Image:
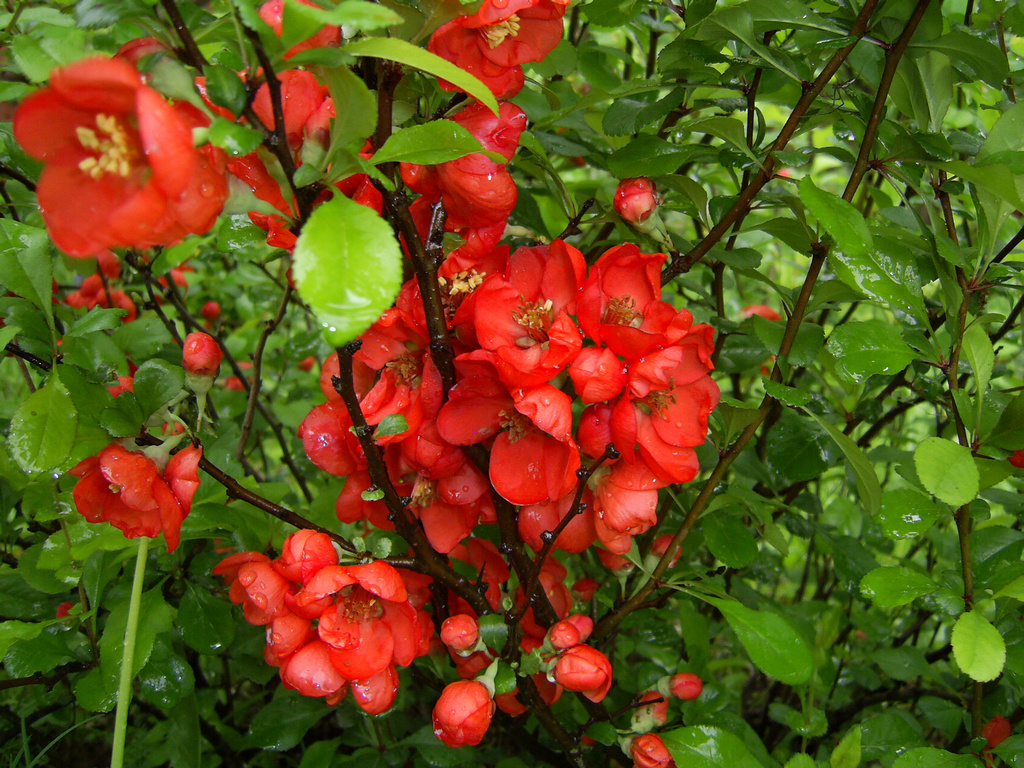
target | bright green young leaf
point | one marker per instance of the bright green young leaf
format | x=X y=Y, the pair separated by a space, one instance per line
x=706 y=746
x=393 y=49
x=808 y=342
x=234 y=138
x=1014 y=589
x=801 y=761
x=773 y=645
x=947 y=471
x=428 y=144
x=847 y=752
x=863 y=349
x=493 y=630
x=892 y=586
x=979 y=351
x=868 y=488
x=353 y=125
x=347 y=267
x=393 y=424
x=838 y=217
x=978 y=648
x=43 y=428
x=787 y=395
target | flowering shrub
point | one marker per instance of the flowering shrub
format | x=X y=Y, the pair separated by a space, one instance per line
x=487 y=384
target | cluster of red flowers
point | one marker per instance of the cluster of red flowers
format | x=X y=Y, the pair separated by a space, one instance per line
x=330 y=627
x=519 y=322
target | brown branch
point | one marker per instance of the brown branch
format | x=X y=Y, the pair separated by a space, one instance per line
x=192 y=53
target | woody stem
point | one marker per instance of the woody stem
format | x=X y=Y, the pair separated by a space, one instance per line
x=124 y=689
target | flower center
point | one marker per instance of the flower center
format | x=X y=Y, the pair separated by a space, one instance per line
x=535 y=319
x=113 y=145
x=656 y=402
x=406 y=368
x=424 y=492
x=496 y=33
x=622 y=311
x=358 y=604
x=458 y=287
x=515 y=423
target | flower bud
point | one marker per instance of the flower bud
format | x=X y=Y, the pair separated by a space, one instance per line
x=761 y=310
x=584 y=589
x=463 y=713
x=210 y=311
x=636 y=199
x=564 y=635
x=201 y=355
x=649 y=751
x=685 y=685
x=460 y=633
x=652 y=714
x=1017 y=459
x=586 y=670
x=996 y=731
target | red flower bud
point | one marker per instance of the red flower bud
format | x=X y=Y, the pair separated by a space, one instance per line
x=649 y=751
x=1017 y=459
x=460 y=632
x=210 y=311
x=64 y=609
x=586 y=670
x=636 y=199
x=761 y=310
x=654 y=713
x=564 y=635
x=463 y=713
x=686 y=686
x=996 y=731
x=201 y=355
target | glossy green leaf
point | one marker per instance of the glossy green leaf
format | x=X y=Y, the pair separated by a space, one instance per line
x=839 y=218
x=43 y=428
x=207 y=622
x=234 y=138
x=26 y=264
x=394 y=49
x=863 y=349
x=773 y=645
x=891 y=586
x=352 y=126
x=979 y=351
x=13 y=631
x=808 y=342
x=301 y=21
x=978 y=648
x=394 y=424
x=786 y=395
x=705 y=746
x=886 y=273
x=225 y=88
x=729 y=539
x=282 y=723
x=428 y=144
x=1007 y=432
x=907 y=514
x=347 y=267
x=868 y=488
x=930 y=757
x=648 y=155
x=156 y=383
x=155 y=618
x=947 y=470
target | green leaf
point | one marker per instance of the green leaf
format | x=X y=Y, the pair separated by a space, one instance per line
x=428 y=144
x=978 y=648
x=207 y=621
x=155 y=618
x=979 y=351
x=1014 y=589
x=301 y=22
x=728 y=129
x=603 y=733
x=729 y=539
x=12 y=631
x=930 y=757
x=773 y=645
x=347 y=267
x=838 y=217
x=353 y=125
x=26 y=263
x=801 y=761
x=868 y=489
x=394 y=49
x=284 y=721
x=649 y=155
x=947 y=471
x=705 y=746
x=786 y=395
x=887 y=273
x=394 y=424
x=1007 y=432
x=43 y=428
x=891 y=586
x=96 y=319
x=907 y=514
x=156 y=383
x=225 y=88
x=863 y=349
x=806 y=345
x=32 y=59
x=493 y=630
x=234 y=138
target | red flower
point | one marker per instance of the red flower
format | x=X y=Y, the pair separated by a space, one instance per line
x=1017 y=459
x=372 y=623
x=463 y=713
x=996 y=731
x=310 y=672
x=586 y=670
x=649 y=751
x=92 y=293
x=636 y=199
x=121 y=168
x=125 y=488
